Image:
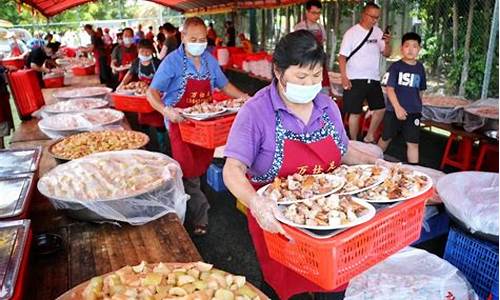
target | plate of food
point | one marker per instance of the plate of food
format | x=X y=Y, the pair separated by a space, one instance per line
x=360 y=177
x=297 y=188
x=81 y=121
x=326 y=213
x=401 y=184
x=83 y=92
x=83 y=144
x=196 y=280
x=106 y=176
x=203 y=111
x=75 y=105
x=232 y=105
x=137 y=88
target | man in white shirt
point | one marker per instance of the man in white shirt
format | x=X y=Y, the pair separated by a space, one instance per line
x=359 y=69
x=311 y=24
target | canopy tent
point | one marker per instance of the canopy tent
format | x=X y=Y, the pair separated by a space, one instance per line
x=50 y=8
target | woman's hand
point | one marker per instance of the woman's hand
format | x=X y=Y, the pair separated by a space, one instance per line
x=173 y=114
x=264 y=211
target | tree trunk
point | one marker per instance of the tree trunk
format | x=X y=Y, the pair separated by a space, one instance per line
x=336 y=25
x=487 y=11
x=455 y=30
x=465 y=68
x=278 y=33
x=263 y=30
x=287 y=24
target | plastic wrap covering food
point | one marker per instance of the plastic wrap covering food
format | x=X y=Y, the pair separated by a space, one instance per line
x=479 y=113
x=370 y=149
x=411 y=274
x=132 y=186
x=472 y=198
x=61 y=125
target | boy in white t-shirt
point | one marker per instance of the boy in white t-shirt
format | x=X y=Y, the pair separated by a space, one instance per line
x=359 y=62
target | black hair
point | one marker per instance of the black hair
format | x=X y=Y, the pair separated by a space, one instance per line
x=312 y=3
x=87 y=27
x=298 y=48
x=129 y=29
x=168 y=27
x=370 y=4
x=54 y=46
x=144 y=43
x=150 y=27
x=119 y=35
x=411 y=36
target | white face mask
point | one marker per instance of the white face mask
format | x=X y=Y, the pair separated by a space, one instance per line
x=301 y=94
x=196 y=49
x=145 y=57
x=127 y=41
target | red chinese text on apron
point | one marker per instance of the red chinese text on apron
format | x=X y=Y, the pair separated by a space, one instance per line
x=313 y=153
x=194 y=160
x=153 y=119
x=128 y=55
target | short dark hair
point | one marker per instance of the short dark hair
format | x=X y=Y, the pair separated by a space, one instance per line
x=129 y=29
x=411 y=36
x=54 y=46
x=370 y=4
x=119 y=35
x=88 y=27
x=150 y=27
x=169 y=27
x=144 y=43
x=312 y=3
x=298 y=48
x=193 y=21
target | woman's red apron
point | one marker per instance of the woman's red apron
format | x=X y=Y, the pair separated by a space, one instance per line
x=128 y=56
x=153 y=119
x=15 y=50
x=194 y=160
x=305 y=154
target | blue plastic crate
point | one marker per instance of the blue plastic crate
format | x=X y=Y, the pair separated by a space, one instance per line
x=214 y=178
x=477 y=259
x=439 y=225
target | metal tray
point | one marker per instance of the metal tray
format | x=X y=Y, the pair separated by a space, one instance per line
x=13 y=237
x=16 y=191
x=19 y=161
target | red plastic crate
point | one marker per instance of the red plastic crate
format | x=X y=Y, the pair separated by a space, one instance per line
x=237 y=60
x=207 y=134
x=23 y=270
x=131 y=103
x=14 y=62
x=333 y=262
x=83 y=71
x=26 y=91
x=153 y=119
x=54 y=82
x=220 y=96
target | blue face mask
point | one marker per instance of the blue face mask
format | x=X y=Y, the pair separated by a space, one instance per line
x=144 y=58
x=301 y=94
x=196 y=49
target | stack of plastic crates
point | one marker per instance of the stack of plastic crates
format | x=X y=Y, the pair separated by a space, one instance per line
x=476 y=258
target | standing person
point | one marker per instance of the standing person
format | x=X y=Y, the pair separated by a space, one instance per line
x=98 y=49
x=42 y=60
x=191 y=82
x=311 y=24
x=405 y=81
x=160 y=39
x=211 y=34
x=124 y=54
x=359 y=62
x=230 y=34
x=17 y=47
x=36 y=42
x=246 y=44
x=298 y=129
x=150 y=35
x=171 y=41
x=108 y=40
x=139 y=35
x=48 y=38
x=6 y=121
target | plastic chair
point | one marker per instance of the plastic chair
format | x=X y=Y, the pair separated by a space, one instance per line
x=487 y=150
x=463 y=158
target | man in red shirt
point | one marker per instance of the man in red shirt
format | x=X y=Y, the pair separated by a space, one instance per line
x=150 y=35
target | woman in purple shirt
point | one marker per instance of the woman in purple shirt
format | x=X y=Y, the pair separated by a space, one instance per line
x=288 y=127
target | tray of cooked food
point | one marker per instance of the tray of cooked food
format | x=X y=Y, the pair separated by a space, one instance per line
x=195 y=280
x=360 y=177
x=232 y=105
x=86 y=143
x=135 y=88
x=75 y=105
x=203 y=111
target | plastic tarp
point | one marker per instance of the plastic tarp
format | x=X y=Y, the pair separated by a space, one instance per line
x=411 y=274
x=472 y=197
x=133 y=186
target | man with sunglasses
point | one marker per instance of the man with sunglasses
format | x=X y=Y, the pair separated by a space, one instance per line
x=359 y=61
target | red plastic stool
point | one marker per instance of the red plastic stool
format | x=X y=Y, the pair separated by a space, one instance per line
x=490 y=152
x=463 y=158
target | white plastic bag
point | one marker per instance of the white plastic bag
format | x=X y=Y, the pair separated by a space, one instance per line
x=133 y=186
x=370 y=149
x=411 y=274
x=472 y=197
